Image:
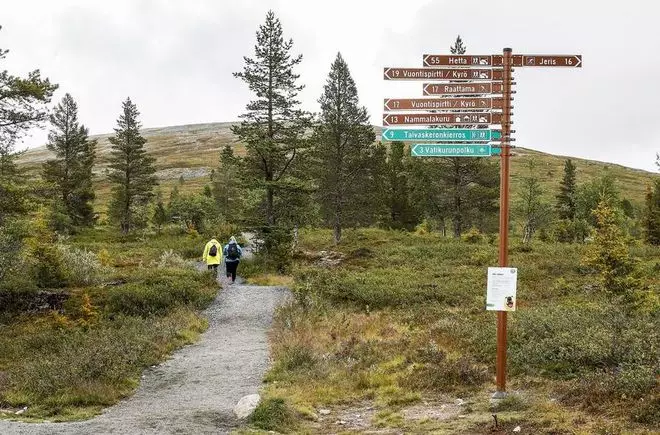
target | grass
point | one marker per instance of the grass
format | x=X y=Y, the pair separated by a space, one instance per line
x=70 y=361
x=270 y=279
x=401 y=322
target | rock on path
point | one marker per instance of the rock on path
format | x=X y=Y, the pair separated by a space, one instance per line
x=195 y=391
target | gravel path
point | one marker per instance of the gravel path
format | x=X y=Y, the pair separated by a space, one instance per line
x=195 y=391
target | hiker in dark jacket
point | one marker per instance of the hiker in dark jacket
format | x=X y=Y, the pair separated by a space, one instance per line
x=232 y=253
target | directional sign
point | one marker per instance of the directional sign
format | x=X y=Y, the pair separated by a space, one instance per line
x=458 y=60
x=442 y=119
x=450 y=150
x=571 y=61
x=442 y=74
x=565 y=60
x=443 y=103
x=438 y=134
x=462 y=88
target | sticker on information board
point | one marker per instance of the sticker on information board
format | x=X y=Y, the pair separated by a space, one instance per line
x=501 y=289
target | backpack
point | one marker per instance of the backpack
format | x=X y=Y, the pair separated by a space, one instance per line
x=232 y=251
x=213 y=251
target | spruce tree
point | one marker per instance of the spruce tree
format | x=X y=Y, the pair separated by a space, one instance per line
x=273 y=126
x=458 y=47
x=132 y=170
x=342 y=148
x=651 y=219
x=567 y=197
x=462 y=190
x=529 y=207
x=159 y=217
x=71 y=170
x=402 y=214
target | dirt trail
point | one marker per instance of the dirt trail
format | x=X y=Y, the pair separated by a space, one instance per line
x=195 y=391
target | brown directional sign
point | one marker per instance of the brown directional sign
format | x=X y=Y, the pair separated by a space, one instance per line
x=565 y=60
x=442 y=74
x=570 y=61
x=458 y=118
x=458 y=60
x=443 y=103
x=462 y=88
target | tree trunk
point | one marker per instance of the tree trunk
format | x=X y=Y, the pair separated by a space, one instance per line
x=527 y=234
x=295 y=239
x=337 y=226
x=270 y=213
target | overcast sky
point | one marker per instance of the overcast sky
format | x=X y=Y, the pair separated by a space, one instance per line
x=175 y=59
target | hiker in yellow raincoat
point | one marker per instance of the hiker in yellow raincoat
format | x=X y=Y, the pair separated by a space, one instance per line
x=213 y=254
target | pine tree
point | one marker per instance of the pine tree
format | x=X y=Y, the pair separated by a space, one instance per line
x=273 y=126
x=342 y=149
x=227 y=186
x=71 y=170
x=132 y=170
x=23 y=106
x=567 y=197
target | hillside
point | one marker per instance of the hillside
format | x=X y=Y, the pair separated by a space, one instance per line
x=192 y=151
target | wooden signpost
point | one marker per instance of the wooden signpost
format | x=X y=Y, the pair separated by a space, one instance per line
x=477 y=93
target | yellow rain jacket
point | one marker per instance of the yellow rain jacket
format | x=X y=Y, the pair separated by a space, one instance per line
x=210 y=260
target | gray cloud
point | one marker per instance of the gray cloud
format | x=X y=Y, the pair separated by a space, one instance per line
x=175 y=59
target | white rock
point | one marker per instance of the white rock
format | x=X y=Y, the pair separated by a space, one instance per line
x=324 y=411
x=459 y=402
x=517 y=429
x=246 y=405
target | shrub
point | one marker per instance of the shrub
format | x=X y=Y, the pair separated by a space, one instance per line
x=158 y=295
x=169 y=259
x=447 y=373
x=512 y=402
x=632 y=384
x=473 y=235
x=81 y=267
x=77 y=367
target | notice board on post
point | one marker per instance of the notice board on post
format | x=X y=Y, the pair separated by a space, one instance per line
x=501 y=289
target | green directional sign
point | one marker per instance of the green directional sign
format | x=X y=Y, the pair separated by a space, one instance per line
x=450 y=150
x=436 y=134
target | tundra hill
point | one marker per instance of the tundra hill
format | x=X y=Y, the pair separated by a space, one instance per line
x=192 y=151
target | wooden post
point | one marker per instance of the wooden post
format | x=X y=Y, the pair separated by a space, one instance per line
x=504 y=217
